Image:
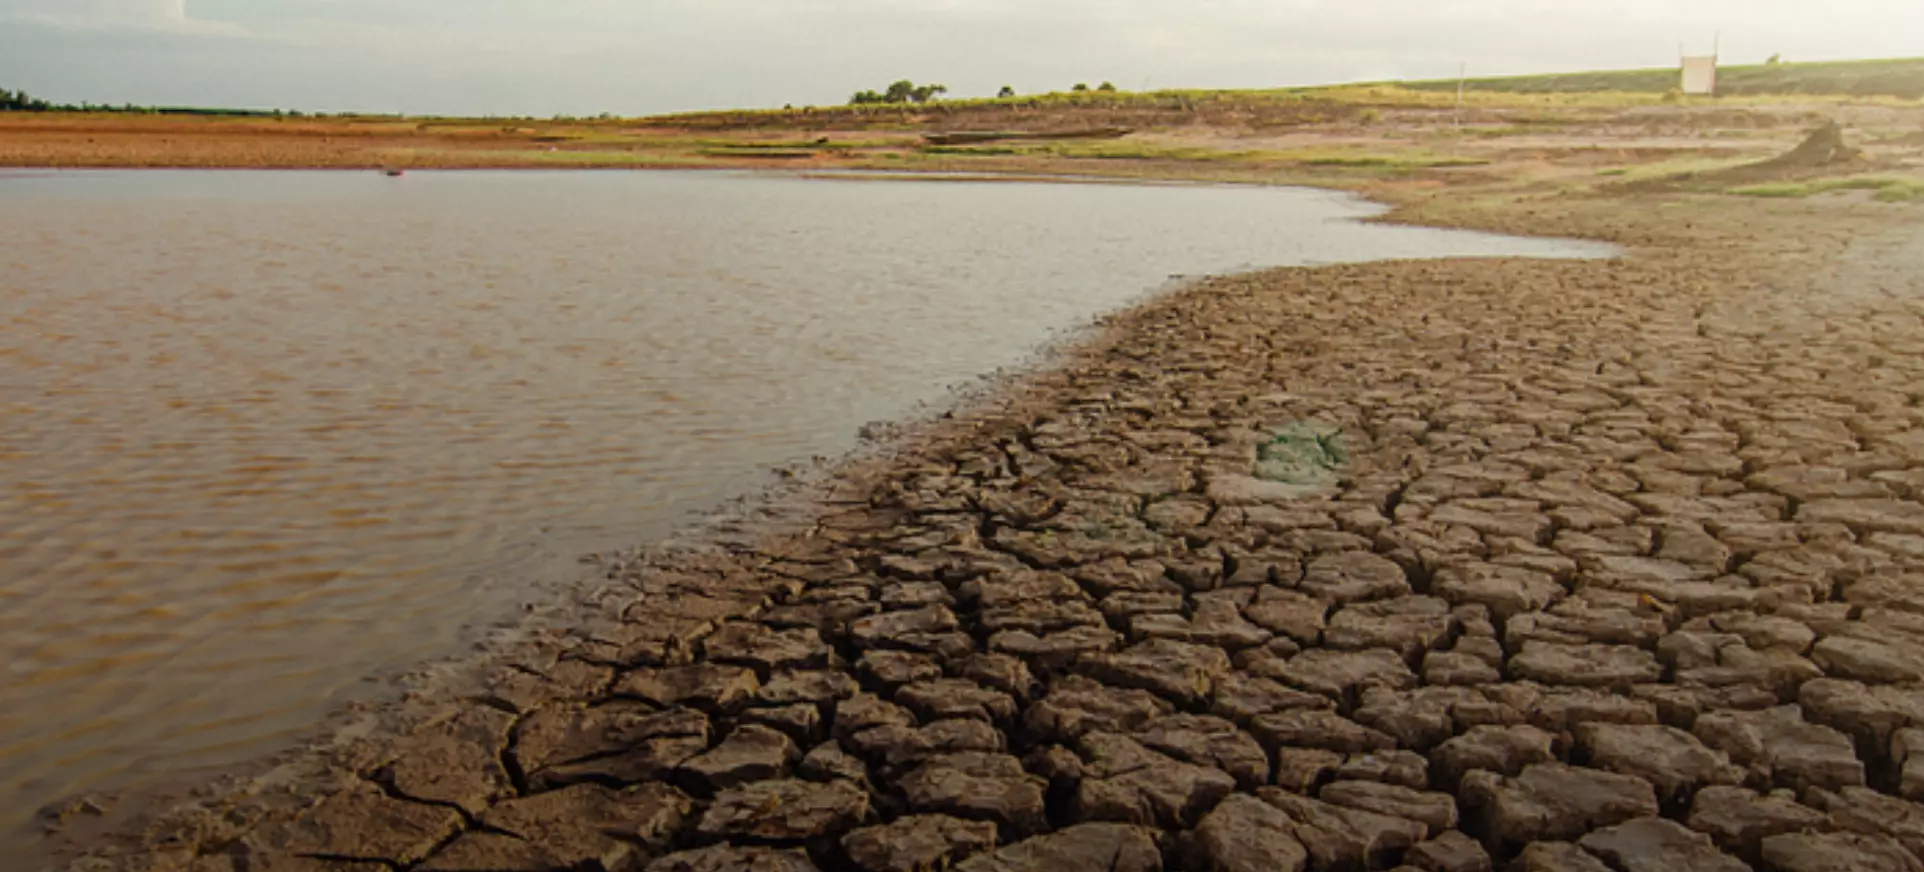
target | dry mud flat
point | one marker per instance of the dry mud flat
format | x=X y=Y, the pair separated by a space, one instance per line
x=1625 y=572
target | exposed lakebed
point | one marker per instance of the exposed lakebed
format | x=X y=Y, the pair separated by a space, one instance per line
x=263 y=435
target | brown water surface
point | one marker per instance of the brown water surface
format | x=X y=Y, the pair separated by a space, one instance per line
x=263 y=435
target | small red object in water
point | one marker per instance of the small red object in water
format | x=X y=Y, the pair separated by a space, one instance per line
x=396 y=172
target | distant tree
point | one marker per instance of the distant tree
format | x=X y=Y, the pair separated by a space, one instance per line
x=1080 y=87
x=903 y=91
x=21 y=101
x=1109 y=87
x=1774 y=60
x=1005 y=93
x=899 y=92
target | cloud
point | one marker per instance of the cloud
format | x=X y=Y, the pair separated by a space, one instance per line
x=638 y=56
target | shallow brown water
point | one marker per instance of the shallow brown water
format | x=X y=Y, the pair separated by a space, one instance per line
x=264 y=435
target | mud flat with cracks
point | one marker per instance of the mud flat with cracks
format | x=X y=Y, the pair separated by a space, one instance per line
x=1620 y=570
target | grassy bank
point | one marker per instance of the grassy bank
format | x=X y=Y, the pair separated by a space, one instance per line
x=1525 y=136
x=1897 y=78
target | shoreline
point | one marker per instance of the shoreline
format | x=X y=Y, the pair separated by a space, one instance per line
x=997 y=493
x=796 y=495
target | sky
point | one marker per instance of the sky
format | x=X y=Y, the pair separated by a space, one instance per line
x=632 y=57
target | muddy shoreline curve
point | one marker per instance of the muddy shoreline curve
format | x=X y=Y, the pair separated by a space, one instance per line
x=1617 y=571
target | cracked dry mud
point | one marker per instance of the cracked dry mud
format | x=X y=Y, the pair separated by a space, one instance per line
x=1626 y=572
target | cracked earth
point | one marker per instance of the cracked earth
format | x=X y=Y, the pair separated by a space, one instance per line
x=1625 y=572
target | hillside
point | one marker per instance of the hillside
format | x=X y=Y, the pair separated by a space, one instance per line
x=1901 y=78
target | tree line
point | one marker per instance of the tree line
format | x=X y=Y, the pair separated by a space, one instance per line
x=906 y=91
x=21 y=101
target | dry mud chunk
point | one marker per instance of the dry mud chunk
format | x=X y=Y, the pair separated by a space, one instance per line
x=801 y=722
x=1041 y=616
x=585 y=826
x=1245 y=834
x=1738 y=820
x=1176 y=670
x=1240 y=697
x=1075 y=705
x=1406 y=768
x=1081 y=848
x=897 y=745
x=1299 y=616
x=1408 y=626
x=1869 y=714
x=1784 y=748
x=620 y=743
x=1419 y=718
x=1338 y=674
x=1450 y=852
x=710 y=686
x=1868 y=660
x=1451 y=669
x=1128 y=783
x=454 y=759
x=784 y=811
x=1505 y=750
x=1557 y=857
x=790 y=688
x=1866 y=516
x=255 y=862
x=750 y=753
x=1119 y=608
x=524 y=689
x=1317 y=728
x=1000 y=672
x=1300 y=770
x=1527 y=525
x=1055 y=650
x=1560 y=710
x=1585 y=666
x=1658 y=845
x=365 y=824
x=1209 y=741
x=1434 y=810
x=1344 y=838
x=1353 y=576
x=956 y=698
x=1577 y=622
x=1673 y=761
x=917 y=843
x=828 y=762
x=888 y=629
x=913 y=594
x=1554 y=802
x=735 y=858
x=896 y=668
x=978 y=785
x=765 y=649
x=1835 y=852
x=1907 y=752
x=1862 y=810
x=864 y=711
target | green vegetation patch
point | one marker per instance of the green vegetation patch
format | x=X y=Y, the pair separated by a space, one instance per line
x=1303 y=453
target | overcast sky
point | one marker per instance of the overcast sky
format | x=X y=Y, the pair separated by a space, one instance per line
x=546 y=57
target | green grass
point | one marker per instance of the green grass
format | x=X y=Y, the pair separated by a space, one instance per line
x=1899 y=78
x=1676 y=166
x=1889 y=189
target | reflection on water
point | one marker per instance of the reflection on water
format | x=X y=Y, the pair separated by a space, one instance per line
x=265 y=434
